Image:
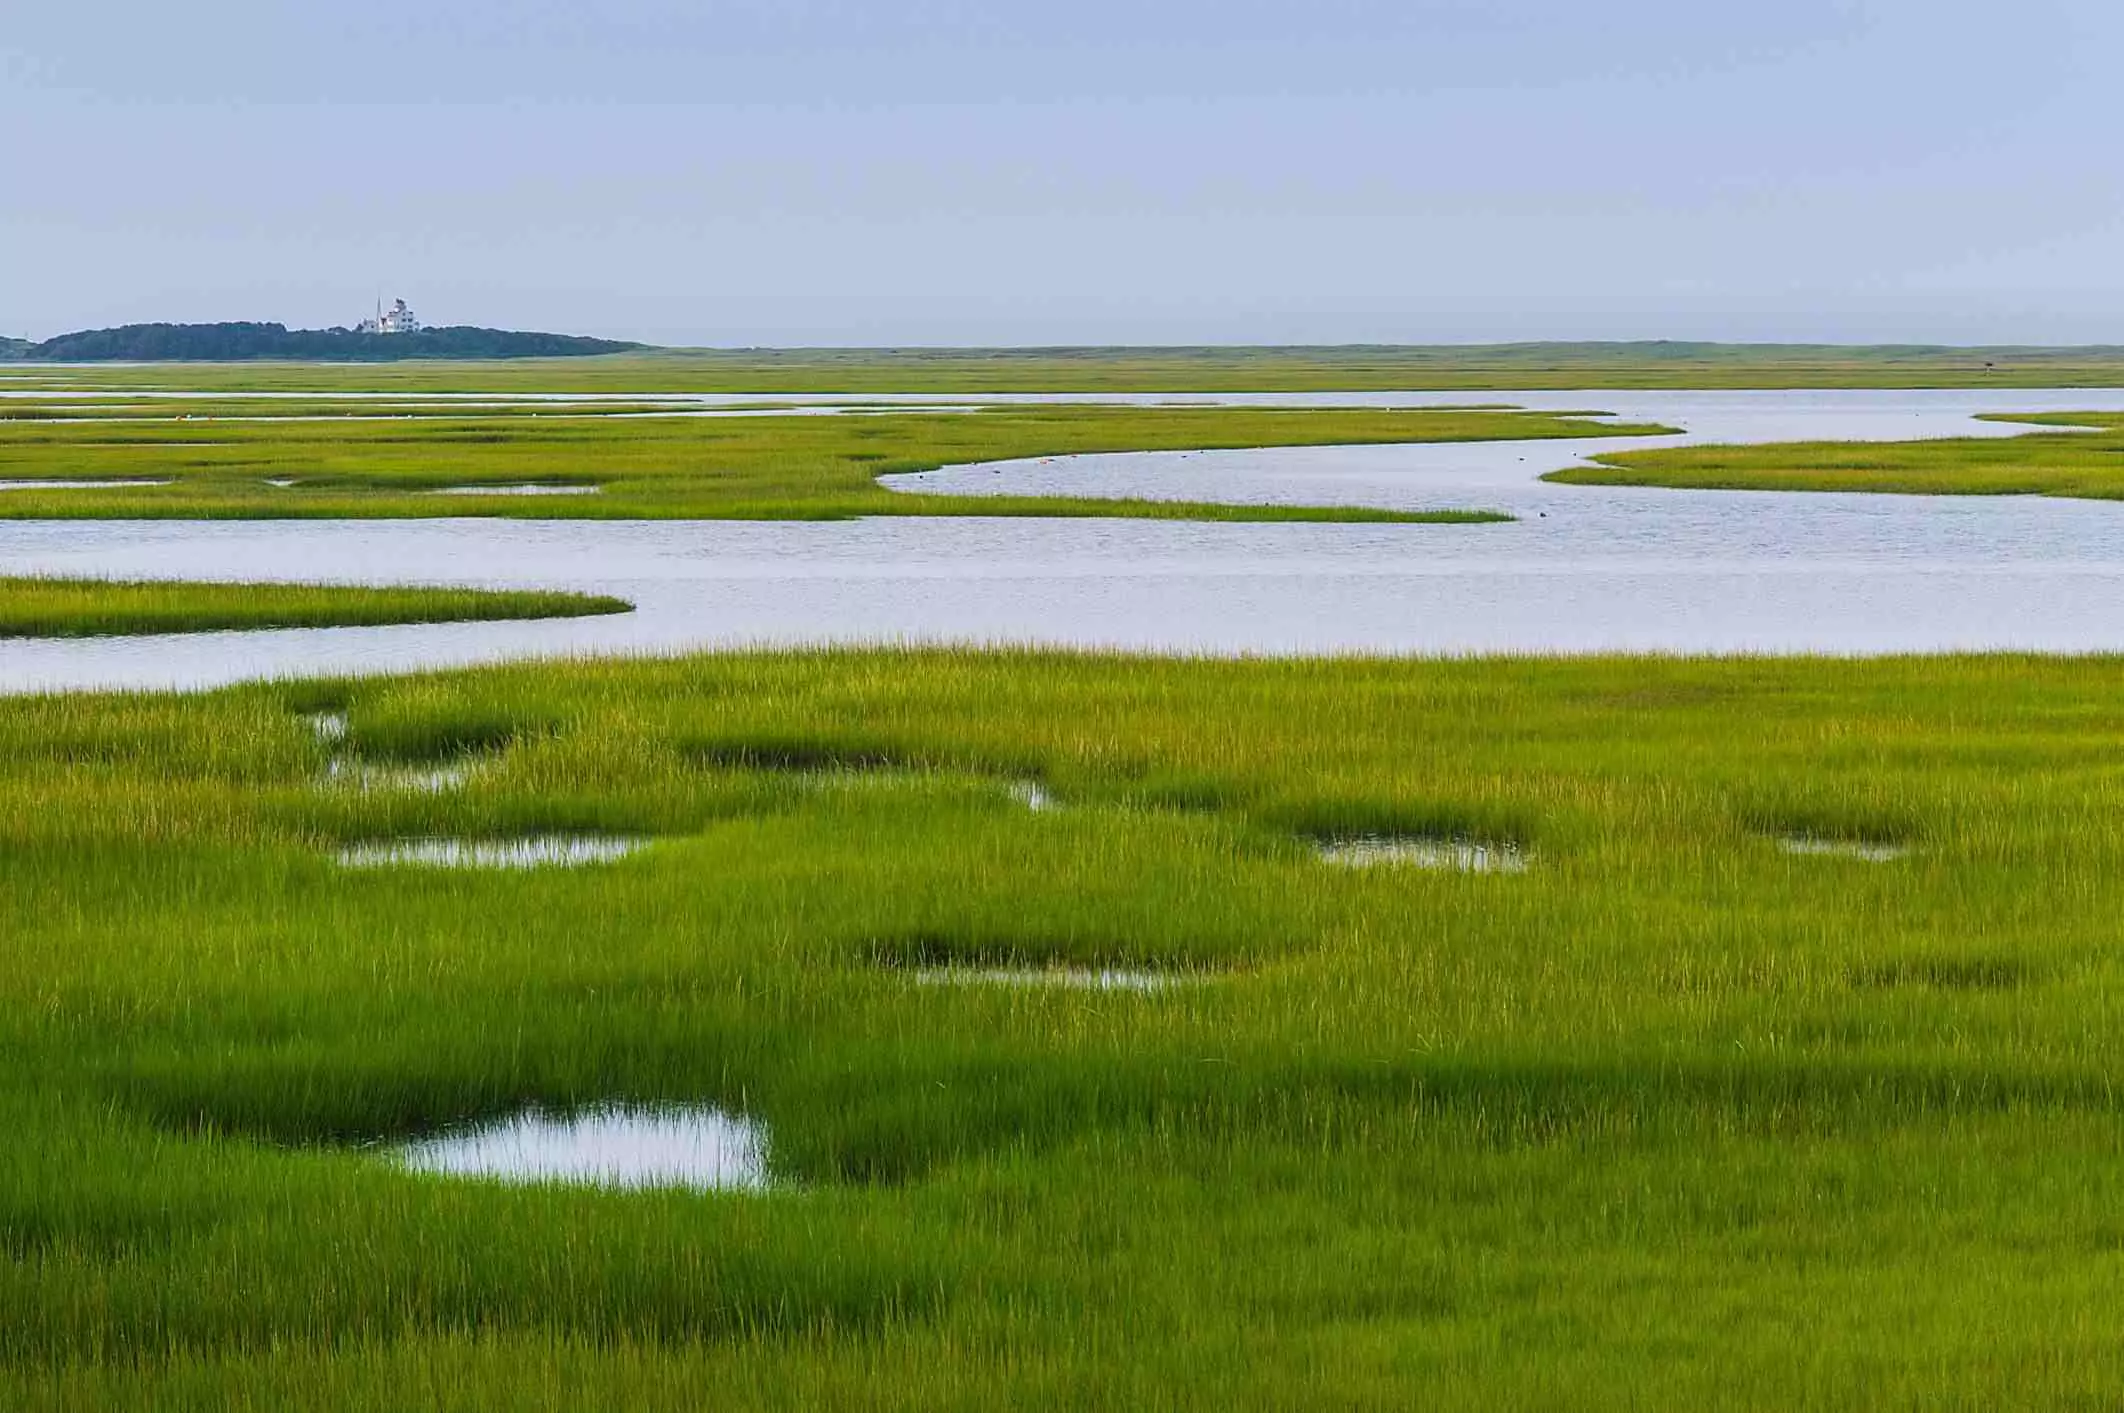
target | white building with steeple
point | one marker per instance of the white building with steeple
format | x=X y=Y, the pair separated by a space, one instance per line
x=396 y=320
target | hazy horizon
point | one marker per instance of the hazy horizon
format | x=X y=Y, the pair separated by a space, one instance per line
x=823 y=173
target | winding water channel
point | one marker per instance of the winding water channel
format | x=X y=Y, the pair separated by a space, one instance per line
x=1583 y=569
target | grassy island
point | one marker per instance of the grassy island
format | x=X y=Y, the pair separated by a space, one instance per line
x=2083 y=463
x=614 y=467
x=82 y=608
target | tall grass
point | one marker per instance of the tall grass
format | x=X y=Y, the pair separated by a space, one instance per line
x=79 y=608
x=1672 y=1116
x=2081 y=463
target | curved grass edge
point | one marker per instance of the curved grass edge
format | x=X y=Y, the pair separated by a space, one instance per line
x=1140 y=508
x=924 y=507
x=675 y=469
x=37 y=607
x=2070 y=455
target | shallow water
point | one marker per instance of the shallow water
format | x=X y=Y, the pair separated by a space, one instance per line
x=524 y=489
x=1584 y=569
x=615 y=1146
x=1455 y=855
x=1865 y=850
x=1062 y=978
x=543 y=851
x=1505 y=475
x=1033 y=795
x=410 y=779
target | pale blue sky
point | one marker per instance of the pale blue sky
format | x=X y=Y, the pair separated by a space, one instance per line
x=831 y=171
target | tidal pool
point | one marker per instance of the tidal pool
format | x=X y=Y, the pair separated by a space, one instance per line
x=1062 y=978
x=1870 y=851
x=543 y=851
x=527 y=488
x=617 y=1146
x=1033 y=795
x=412 y=779
x=1456 y=855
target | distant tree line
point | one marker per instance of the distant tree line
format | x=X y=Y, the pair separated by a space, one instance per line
x=237 y=342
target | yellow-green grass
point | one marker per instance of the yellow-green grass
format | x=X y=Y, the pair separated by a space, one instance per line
x=1674 y=1117
x=2083 y=464
x=764 y=467
x=1178 y=369
x=35 y=607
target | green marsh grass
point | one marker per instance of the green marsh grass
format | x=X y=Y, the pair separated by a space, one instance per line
x=32 y=607
x=1673 y=1117
x=2087 y=464
x=801 y=468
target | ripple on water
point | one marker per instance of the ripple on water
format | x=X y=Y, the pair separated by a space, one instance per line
x=541 y=851
x=617 y=1146
x=1454 y=855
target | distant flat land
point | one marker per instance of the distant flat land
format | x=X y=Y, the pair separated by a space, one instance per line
x=1446 y=367
x=242 y=341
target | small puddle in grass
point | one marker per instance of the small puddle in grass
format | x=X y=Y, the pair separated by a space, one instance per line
x=528 y=489
x=329 y=725
x=1454 y=855
x=1059 y=978
x=411 y=779
x=542 y=851
x=615 y=1146
x=1867 y=850
x=1032 y=794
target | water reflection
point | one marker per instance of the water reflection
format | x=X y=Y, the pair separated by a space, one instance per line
x=614 y=1146
x=1063 y=978
x=522 y=489
x=413 y=779
x=542 y=851
x=1870 y=851
x=1456 y=855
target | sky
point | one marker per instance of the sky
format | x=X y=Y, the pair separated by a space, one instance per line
x=865 y=172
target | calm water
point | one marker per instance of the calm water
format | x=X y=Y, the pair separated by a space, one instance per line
x=541 y=851
x=1585 y=569
x=1454 y=855
x=616 y=1146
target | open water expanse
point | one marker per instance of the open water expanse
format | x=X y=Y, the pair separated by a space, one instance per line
x=1584 y=569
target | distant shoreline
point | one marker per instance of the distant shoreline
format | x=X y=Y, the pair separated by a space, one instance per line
x=254 y=342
